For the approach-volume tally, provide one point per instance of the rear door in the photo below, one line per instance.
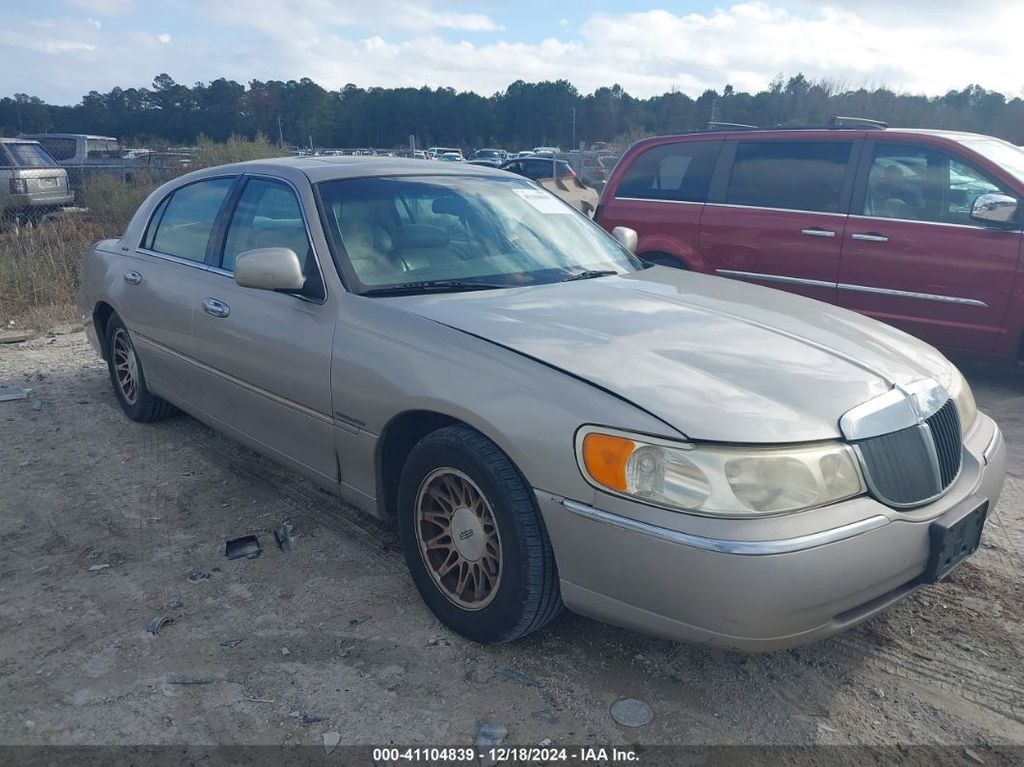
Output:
(915, 258)
(778, 212)
(266, 356)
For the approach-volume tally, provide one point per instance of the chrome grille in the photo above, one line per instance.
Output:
(913, 465)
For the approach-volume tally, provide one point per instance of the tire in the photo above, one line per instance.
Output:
(513, 593)
(663, 259)
(128, 379)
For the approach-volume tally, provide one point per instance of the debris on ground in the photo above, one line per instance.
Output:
(331, 741)
(974, 756)
(175, 604)
(356, 621)
(518, 677)
(283, 536)
(547, 715)
(246, 547)
(490, 734)
(231, 643)
(630, 712)
(197, 575)
(9, 392)
(158, 623)
(313, 718)
(37, 405)
(15, 338)
(439, 642)
(285, 651)
(97, 568)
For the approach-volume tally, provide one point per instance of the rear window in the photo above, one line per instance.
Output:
(102, 149)
(59, 148)
(680, 172)
(30, 155)
(792, 175)
(182, 224)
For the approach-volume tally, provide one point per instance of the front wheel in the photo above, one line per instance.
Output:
(127, 378)
(474, 540)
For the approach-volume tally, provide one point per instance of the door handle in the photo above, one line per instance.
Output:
(869, 237)
(215, 307)
(818, 232)
(132, 277)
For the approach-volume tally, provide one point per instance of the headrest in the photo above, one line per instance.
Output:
(452, 205)
(420, 236)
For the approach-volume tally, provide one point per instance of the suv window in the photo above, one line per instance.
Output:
(182, 223)
(59, 148)
(102, 149)
(680, 172)
(268, 215)
(29, 155)
(792, 175)
(918, 183)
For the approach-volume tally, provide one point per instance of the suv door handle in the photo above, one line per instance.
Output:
(215, 307)
(818, 232)
(869, 237)
(132, 277)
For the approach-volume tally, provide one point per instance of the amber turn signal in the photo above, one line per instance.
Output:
(605, 457)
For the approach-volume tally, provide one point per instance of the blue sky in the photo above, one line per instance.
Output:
(61, 49)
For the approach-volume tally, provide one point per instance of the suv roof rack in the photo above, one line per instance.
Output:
(715, 125)
(856, 122)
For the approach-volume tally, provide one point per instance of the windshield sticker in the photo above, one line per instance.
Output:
(543, 201)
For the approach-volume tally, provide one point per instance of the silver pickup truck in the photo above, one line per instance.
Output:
(453, 348)
(32, 184)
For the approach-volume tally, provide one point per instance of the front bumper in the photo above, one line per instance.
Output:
(761, 584)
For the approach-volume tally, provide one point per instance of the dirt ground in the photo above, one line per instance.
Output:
(102, 521)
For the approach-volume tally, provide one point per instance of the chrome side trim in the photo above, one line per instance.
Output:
(861, 217)
(721, 546)
(200, 265)
(913, 294)
(993, 445)
(775, 210)
(775, 278)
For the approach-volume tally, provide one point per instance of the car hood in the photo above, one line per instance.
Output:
(715, 359)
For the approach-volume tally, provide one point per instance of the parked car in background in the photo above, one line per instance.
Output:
(493, 156)
(590, 169)
(546, 150)
(438, 151)
(32, 184)
(558, 177)
(549, 423)
(921, 229)
(83, 155)
(450, 157)
(536, 167)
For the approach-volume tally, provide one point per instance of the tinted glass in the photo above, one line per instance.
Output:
(102, 149)
(30, 155)
(59, 148)
(793, 175)
(918, 183)
(679, 172)
(397, 231)
(268, 216)
(186, 220)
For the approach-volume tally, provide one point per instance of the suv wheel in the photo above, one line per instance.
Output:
(474, 539)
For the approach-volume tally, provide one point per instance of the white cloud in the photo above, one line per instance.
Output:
(104, 6)
(917, 46)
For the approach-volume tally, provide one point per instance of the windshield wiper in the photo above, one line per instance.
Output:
(589, 274)
(432, 286)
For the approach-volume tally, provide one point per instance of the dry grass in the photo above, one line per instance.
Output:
(40, 265)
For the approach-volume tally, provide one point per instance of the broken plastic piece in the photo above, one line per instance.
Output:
(158, 623)
(246, 547)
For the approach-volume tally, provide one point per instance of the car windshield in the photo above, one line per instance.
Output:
(1009, 157)
(30, 155)
(494, 232)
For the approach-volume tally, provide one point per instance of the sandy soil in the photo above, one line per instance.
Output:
(102, 521)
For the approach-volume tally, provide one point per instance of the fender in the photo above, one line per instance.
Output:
(673, 246)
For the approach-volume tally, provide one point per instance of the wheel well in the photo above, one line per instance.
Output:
(100, 317)
(663, 259)
(398, 439)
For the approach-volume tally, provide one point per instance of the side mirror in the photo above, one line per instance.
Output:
(994, 209)
(626, 237)
(269, 269)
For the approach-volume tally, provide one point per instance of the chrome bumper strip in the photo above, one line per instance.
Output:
(744, 548)
(993, 445)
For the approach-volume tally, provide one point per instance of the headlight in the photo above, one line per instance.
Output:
(960, 392)
(719, 481)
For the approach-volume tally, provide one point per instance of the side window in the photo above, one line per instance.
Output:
(679, 172)
(918, 183)
(792, 175)
(59, 148)
(268, 215)
(182, 224)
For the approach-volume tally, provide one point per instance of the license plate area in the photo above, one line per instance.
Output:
(954, 537)
(48, 183)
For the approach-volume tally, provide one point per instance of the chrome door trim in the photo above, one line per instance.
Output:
(776, 210)
(818, 233)
(913, 294)
(883, 219)
(723, 546)
(650, 199)
(865, 237)
(775, 278)
(200, 265)
(307, 411)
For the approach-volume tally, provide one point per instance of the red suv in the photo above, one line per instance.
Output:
(921, 229)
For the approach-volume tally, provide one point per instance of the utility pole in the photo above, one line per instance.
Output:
(574, 128)
(280, 132)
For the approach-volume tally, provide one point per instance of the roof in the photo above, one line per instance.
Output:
(67, 135)
(18, 140)
(331, 168)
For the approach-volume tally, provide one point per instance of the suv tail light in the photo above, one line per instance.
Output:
(19, 186)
